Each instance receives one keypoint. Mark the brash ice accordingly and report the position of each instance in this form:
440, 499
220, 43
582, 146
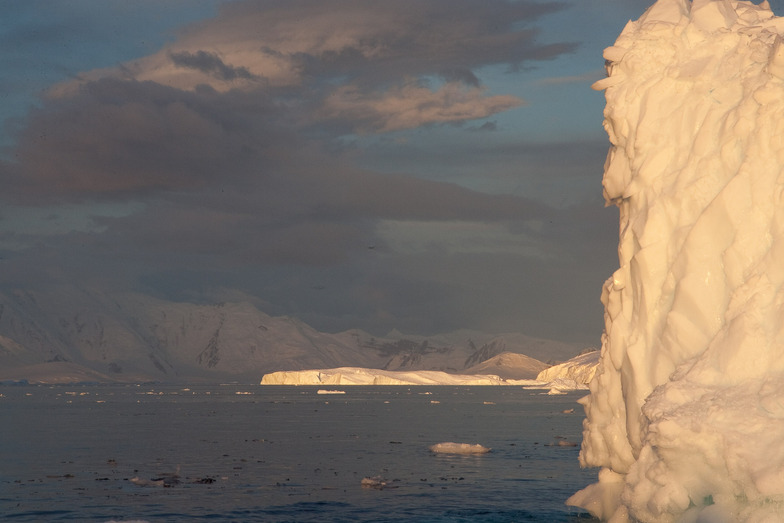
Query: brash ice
686, 413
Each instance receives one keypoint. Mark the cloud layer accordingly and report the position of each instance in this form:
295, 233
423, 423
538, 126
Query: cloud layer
235, 153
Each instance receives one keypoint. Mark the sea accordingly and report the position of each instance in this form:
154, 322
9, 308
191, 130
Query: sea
237, 452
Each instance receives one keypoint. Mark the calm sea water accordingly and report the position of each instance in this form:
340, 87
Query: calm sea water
275, 453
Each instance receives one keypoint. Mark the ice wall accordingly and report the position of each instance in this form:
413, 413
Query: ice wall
686, 413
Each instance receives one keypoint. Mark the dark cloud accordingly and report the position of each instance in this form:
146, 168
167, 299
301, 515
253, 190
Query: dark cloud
461, 74
211, 64
144, 128
378, 41
126, 139
357, 277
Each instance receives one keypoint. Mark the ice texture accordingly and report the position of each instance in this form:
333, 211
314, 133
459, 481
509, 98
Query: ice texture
686, 411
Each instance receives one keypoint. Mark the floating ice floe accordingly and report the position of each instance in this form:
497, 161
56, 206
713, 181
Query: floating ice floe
376, 482
458, 448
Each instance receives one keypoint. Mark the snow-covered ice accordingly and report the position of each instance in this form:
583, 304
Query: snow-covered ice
362, 376
686, 412
569, 376
581, 369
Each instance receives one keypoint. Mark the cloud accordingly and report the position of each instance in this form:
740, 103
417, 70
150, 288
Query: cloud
368, 47
221, 160
211, 64
372, 42
126, 139
197, 114
412, 106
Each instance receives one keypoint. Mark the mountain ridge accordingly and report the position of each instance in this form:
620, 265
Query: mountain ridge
133, 335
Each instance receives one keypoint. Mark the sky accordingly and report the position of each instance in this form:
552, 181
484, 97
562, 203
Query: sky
419, 165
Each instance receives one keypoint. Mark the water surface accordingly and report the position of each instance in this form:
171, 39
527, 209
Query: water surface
280, 453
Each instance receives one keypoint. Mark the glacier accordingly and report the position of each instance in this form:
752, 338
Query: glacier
685, 416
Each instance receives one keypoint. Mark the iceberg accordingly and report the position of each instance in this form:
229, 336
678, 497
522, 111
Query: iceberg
361, 376
685, 416
570, 375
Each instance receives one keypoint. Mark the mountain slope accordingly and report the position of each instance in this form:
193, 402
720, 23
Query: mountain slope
132, 337
510, 366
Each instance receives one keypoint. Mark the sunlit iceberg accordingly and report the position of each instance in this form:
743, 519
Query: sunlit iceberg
686, 412
573, 374
361, 376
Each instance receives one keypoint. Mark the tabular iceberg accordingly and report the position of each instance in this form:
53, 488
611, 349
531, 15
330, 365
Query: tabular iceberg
686, 412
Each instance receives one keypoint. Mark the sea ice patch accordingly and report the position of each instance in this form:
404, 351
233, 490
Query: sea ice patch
449, 447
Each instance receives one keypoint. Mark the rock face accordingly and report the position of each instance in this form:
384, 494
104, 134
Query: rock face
133, 337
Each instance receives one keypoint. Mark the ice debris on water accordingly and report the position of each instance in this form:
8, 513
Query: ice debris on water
449, 447
376, 482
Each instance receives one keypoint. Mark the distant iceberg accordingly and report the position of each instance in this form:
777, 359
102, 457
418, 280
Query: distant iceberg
571, 375
361, 376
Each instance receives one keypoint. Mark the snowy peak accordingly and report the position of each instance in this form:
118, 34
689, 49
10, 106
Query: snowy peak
129, 335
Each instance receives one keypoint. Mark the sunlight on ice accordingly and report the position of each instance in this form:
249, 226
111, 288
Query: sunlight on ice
686, 412
571, 375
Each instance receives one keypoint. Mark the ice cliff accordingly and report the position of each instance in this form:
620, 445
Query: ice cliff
360, 376
504, 369
686, 412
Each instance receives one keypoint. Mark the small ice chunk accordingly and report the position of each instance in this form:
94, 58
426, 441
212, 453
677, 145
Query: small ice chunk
376, 482
449, 447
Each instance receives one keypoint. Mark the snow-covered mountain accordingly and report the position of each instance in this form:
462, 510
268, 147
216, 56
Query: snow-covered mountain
134, 337
509, 365
581, 369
